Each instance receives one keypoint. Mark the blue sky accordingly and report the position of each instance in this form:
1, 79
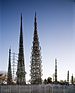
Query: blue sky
56, 29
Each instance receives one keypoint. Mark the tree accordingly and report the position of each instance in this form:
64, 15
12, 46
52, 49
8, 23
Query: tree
74, 80
49, 80
45, 81
63, 82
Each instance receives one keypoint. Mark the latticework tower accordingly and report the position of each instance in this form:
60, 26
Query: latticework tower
55, 70
21, 66
36, 71
9, 77
68, 77
72, 81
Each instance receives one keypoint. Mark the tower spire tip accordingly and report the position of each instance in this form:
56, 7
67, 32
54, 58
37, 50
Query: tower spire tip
35, 13
21, 17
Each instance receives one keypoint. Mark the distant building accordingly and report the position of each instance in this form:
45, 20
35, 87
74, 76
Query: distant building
3, 78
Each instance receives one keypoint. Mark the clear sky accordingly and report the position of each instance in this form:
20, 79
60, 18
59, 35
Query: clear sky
56, 29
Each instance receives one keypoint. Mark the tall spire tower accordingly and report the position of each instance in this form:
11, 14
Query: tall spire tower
68, 77
21, 66
36, 71
55, 70
9, 78
72, 81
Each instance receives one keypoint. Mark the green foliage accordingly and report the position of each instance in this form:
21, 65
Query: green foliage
48, 80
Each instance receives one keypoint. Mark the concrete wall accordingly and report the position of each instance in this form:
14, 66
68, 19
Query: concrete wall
37, 89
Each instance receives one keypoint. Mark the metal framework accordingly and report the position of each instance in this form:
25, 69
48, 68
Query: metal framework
21, 66
55, 70
9, 76
68, 77
14, 66
36, 71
